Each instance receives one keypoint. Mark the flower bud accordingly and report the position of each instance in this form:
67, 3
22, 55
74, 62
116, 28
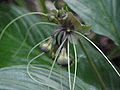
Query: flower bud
63, 58
46, 46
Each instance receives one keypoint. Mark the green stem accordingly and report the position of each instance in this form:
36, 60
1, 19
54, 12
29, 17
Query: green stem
93, 66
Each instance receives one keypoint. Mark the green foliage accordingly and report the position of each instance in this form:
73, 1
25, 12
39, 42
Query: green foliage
15, 77
93, 74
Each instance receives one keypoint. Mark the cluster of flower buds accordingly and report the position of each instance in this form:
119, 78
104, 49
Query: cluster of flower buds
58, 16
51, 47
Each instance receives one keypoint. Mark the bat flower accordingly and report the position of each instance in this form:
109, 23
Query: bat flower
57, 44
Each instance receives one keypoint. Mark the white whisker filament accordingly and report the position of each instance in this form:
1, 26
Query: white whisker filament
99, 51
56, 55
37, 46
75, 73
27, 33
32, 13
69, 66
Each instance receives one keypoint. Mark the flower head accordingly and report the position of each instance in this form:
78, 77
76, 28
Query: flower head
68, 23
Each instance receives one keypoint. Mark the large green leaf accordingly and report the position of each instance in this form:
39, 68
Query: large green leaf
102, 14
16, 78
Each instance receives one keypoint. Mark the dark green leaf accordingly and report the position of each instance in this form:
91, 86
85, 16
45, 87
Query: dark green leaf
103, 15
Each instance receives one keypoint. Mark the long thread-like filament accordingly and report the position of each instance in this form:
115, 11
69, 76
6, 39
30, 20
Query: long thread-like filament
56, 56
27, 33
99, 51
69, 66
75, 73
36, 46
5, 28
